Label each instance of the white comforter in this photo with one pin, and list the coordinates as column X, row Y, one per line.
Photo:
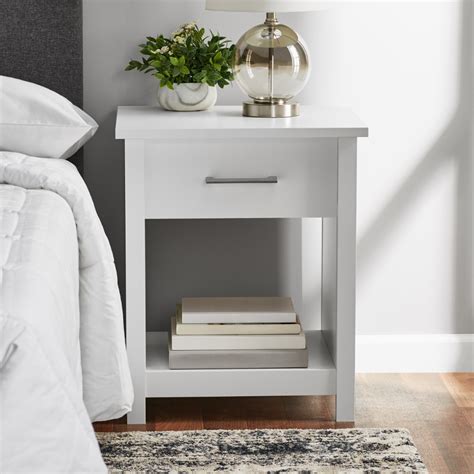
column 62, row 350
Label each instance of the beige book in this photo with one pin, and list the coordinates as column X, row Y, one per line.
column 234, row 328
column 223, row 342
column 240, row 310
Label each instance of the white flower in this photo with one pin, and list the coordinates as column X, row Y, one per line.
column 189, row 26
column 164, row 49
column 186, row 28
column 179, row 39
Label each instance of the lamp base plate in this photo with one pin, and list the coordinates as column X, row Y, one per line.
column 262, row 110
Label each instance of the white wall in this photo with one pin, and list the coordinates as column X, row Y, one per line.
column 406, row 69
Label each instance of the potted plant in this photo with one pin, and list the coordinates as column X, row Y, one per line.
column 189, row 66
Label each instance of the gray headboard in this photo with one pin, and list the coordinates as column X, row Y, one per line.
column 41, row 42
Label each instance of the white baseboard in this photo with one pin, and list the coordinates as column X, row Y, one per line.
column 415, row 353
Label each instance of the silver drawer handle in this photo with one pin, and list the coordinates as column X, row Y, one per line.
column 268, row 179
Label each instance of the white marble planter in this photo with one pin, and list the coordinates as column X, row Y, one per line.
column 187, row 97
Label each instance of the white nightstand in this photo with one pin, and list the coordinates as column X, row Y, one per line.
column 184, row 165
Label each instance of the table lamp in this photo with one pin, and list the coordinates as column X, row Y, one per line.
column 272, row 63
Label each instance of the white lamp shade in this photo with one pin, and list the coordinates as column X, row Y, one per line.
column 263, row 5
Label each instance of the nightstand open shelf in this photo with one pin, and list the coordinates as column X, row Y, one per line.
column 318, row 379
column 217, row 165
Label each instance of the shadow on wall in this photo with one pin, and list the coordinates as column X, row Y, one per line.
column 214, row 257
column 445, row 147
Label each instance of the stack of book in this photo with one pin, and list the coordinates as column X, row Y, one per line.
column 236, row 333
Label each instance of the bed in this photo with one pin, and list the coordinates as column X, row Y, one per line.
column 62, row 350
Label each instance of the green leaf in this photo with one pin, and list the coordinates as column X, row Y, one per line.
column 218, row 58
column 206, row 59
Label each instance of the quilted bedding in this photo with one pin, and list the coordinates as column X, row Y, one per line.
column 62, row 350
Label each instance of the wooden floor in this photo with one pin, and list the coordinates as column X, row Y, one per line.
column 438, row 409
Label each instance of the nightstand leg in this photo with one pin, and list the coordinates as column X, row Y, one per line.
column 338, row 280
column 135, row 275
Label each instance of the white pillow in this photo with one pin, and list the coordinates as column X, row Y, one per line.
column 39, row 122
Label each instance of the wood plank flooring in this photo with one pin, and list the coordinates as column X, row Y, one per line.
column 438, row 409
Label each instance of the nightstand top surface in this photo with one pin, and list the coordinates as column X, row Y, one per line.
column 139, row 122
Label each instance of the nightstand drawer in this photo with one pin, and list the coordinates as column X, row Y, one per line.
column 240, row 179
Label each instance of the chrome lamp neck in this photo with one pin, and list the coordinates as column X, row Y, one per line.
column 271, row 19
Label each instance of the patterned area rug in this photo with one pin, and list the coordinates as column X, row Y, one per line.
column 261, row 451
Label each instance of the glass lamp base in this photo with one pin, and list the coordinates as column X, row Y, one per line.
column 267, row 110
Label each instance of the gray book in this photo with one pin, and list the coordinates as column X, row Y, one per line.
column 239, row 359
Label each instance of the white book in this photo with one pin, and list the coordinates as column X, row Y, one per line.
column 238, row 310
column 238, row 342
column 234, row 328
